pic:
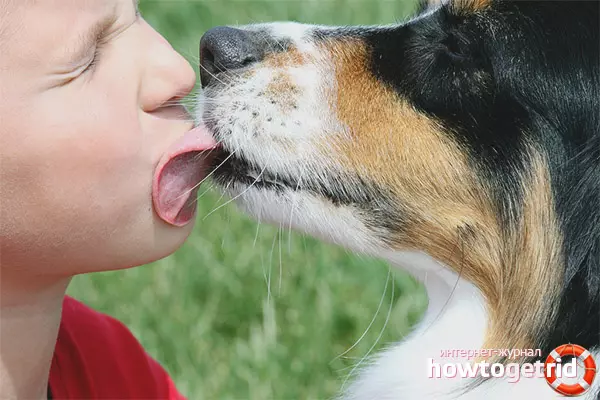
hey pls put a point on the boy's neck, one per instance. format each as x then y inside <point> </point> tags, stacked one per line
<point>30,313</point>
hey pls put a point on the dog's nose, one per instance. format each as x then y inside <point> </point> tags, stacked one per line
<point>223,48</point>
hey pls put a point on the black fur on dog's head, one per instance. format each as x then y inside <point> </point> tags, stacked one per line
<point>474,126</point>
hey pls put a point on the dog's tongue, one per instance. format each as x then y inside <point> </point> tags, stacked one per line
<point>178,175</point>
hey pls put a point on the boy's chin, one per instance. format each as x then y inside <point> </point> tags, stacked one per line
<point>144,245</point>
<point>169,238</point>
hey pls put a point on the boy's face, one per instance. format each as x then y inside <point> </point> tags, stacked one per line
<point>83,125</point>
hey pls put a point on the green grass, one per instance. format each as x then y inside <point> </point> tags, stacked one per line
<point>245,311</point>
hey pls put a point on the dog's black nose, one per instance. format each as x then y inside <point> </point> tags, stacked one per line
<point>223,48</point>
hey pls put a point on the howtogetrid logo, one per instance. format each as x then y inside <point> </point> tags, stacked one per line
<point>585,362</point>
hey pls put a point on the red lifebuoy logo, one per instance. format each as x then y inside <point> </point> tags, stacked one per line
<point>584,360</point>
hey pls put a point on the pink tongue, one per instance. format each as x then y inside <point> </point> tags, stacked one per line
<point>178,175</point>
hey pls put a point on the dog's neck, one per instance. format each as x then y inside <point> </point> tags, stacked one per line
<point>447,293</point>
<point>455,320</point>
<point>456,315</point>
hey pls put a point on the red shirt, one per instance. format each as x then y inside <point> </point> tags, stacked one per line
<point>97,357</point>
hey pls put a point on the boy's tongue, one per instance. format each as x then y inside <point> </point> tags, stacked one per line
<point>178,176</point>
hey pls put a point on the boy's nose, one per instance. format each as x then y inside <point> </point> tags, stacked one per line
<point>223,48</point>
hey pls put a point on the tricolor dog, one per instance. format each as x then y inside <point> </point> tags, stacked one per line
<point>462,145</point>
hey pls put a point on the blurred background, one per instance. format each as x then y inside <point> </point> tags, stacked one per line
<point>246,310</point>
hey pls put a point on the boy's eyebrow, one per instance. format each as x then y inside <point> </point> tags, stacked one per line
<point>97,31</point>
<point>89,38</point>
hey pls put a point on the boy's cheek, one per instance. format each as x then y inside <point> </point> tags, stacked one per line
<point>99,132</point>
<point>98,223</point>
<point>92,217</point>
<point>102,147</point>
<point>77,179</point>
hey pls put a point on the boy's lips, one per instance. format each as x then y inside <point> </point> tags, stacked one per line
<point>178,176</point>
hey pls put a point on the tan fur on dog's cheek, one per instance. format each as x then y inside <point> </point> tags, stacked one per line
<point>290,58</point>
<point>283,91</point>
<point>391,144</point>
<point>448,211</point>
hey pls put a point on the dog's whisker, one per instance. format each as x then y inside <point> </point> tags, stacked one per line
<point>387,318</point>
<point>294,205</point>
<point>381,300</point>
<point>279,233</point>
<point>256,233</point>
<point>453,290</point>
<point>240,194</point>
<point>212,75</point>
<point>269,292</point>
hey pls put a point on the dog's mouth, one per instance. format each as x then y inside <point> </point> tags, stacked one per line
<point>229,168</point>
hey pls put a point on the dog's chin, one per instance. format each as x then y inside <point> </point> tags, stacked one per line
<point>234,173</point>
<point>259,193</point>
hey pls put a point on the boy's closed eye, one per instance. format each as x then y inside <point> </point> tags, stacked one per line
<point>83,57</point>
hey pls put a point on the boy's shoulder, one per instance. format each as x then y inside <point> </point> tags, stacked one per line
<point>96,356</point>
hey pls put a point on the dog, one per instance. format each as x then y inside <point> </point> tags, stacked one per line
<point>462,145</point>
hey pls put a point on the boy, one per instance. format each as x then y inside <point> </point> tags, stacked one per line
<point>88,120</point>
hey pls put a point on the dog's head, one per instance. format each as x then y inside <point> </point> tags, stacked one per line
<point>470,132</point>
